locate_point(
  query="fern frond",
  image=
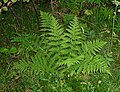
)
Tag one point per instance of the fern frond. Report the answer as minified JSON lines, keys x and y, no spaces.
{"x":53,"y":34}
{"x":73,"y":38}
{"x":91,"y":47}
{"x":38,"y":65}
{"x":86,"y":65}
{"x":21,"y":65}
{"x":96,"y":64}
{"x":45,"y":20}
{"x":74,"y":30}
{"x":50,"y":24}
{"x":27,"y":43}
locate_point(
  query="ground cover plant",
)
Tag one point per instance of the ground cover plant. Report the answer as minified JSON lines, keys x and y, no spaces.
{"x":74,"y":46}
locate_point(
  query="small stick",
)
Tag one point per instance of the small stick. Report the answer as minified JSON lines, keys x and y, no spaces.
{"x":37,"y":16}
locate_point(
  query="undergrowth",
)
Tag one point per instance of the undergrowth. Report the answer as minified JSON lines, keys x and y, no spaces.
{"x":59,"y":54}
{"x":80,"y":54}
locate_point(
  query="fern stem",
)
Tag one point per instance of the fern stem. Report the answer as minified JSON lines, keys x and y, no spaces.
{"x":37,"y":15}
{"x":113,"y":29}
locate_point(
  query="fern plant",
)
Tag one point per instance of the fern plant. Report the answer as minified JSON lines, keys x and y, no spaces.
{"x":62,"y":51}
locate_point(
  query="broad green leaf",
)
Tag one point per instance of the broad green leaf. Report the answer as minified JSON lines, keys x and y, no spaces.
{"x":26,"y":0}
{"x":14,"y":1}
{"x":5,"y":1}
{"x":0,"y":3}
{"x":88,"y":12}
{"x":5,"y":8}
{"x":3,"y":50}
{"x":13,"y":50}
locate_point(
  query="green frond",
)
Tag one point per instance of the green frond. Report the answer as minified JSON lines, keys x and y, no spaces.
{"x":27,"y":43}
{"x":50,"y":24}
{"x":91,"y":47}
{"x":73,"y":38}
{"x":86,"y":65}
{"x":38,"y":65}
{"x":96,"y":64}
{"x":74,"y":30}
{"x":74,"y":26}
{"x":21,"y":65}
{"x":53,"y":34}
{"x":41,"y":64}
{"x":45,"y":20}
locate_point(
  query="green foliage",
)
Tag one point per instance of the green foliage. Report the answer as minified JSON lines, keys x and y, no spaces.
{"x":75,"y":6}
{"x":5,"y":8}
{"x":67,"y":18}
{"x":14,"y":1}
{"x":8,"y":3}
{"x":37,"y":65}
{"x":58,"y":53}
{"x":91,"y":47}
{"x":28,"y":44}
{"x":26,"y":0}
{"x":71,"y":57}
{"x":65,"y":48}
{"x":12,"y":50}
{"x":5,"y":1}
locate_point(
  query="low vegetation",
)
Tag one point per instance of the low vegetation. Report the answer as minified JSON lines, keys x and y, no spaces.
{"x":59,"y":46}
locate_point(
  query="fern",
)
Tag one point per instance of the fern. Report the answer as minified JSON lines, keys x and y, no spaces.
{"x":64,"y":51}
